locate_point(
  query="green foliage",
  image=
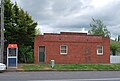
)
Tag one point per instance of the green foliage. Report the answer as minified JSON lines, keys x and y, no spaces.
{"x":19,"y":28}
{"x":37,"y":32}
{"x":114,"y":46}
{"x":98,"y":28}
{"x":118,"y":38}
{"x":26,"y":54}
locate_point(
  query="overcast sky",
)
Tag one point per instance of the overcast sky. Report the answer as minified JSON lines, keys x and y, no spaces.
{"x":72,"y":15}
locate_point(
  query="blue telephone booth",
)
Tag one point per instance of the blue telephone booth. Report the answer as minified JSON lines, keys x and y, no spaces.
{"x":12,"y":53}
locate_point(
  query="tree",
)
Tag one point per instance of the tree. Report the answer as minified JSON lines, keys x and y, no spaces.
{"x":19,"y":26}
{"x":118,"y":38}
{"x":22,"y":29}
{"x":26,"y":54}
{"x":37,"y":31}
{"x":98,"y":28}
{"x":114,"y":46}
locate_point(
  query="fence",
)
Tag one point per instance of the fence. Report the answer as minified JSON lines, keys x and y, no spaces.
{"x":114,"y":59}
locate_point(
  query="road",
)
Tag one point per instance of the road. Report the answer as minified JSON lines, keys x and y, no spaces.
{"x":61,"y":76}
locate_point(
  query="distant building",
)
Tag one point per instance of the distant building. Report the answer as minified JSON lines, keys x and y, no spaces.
{"x":71,"y":48}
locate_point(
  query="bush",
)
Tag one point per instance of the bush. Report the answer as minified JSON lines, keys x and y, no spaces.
{"x":30,"y":57}
{"x":26,"y":54}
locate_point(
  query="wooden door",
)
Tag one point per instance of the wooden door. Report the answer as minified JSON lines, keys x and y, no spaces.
{"x":41,"y":53}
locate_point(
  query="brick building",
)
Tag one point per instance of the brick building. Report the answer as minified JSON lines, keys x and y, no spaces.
{"x":71,"y":48}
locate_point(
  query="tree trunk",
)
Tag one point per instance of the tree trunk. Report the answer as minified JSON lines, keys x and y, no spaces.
{"x":114,"y":53}
{"x":25,"y":58}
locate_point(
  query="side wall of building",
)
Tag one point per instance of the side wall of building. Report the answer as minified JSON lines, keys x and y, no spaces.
{"x":82,"y":49}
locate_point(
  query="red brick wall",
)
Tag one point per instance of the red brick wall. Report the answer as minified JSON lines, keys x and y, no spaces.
{"x":81,"y":48}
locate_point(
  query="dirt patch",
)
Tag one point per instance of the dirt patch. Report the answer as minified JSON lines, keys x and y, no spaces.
{"x":47,"y":68}
{"x":19,"y":68}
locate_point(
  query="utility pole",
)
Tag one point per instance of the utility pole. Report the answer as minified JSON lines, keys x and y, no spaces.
{"x":2,"y":32}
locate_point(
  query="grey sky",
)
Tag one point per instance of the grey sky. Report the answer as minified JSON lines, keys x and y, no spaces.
{"x":72,"y":15}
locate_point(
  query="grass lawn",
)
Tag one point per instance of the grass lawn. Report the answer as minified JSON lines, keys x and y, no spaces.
{"x":71,"y":67}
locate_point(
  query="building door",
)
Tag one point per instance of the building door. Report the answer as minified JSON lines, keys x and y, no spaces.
{"x":41,"y":53}
{"x":87,"y":55}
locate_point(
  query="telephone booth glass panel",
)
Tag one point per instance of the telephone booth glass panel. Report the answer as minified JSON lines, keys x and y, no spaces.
{"x":12,"y":52}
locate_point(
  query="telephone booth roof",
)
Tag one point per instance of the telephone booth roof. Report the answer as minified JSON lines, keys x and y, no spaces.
{"x":12,"y":46}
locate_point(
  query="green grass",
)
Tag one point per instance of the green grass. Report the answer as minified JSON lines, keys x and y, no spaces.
{"x":35,"y":66}
{"x":71,"y":67}
{"x":88,"y":67}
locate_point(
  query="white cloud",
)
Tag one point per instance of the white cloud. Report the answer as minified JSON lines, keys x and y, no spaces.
{"x":72,"y":15}
{"x":100,"y":3}
{"x":18,"y":1}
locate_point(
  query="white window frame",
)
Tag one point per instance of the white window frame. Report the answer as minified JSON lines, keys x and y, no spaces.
{"x":99,"y":49}
{"x":65,"y":49}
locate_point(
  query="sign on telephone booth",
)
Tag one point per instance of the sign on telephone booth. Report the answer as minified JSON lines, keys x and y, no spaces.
{"x":12,"y":53}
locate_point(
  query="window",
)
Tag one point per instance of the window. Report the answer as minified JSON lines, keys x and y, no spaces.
{"x":63,"y":49}
{"x":99,"y":50}
{"x":12,"y":52}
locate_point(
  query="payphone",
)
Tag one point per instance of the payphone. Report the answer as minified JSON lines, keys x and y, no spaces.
{"x":12,"y":54}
